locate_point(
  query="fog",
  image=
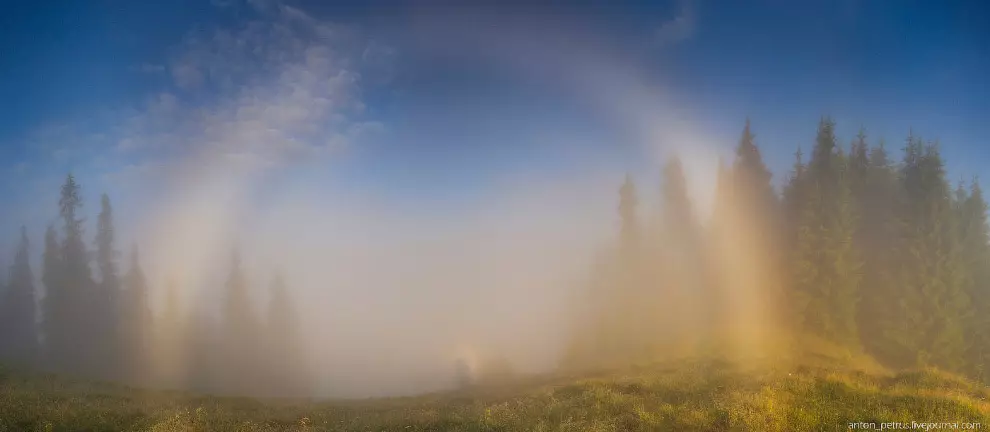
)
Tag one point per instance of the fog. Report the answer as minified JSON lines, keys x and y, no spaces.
{"x":390,"y":294}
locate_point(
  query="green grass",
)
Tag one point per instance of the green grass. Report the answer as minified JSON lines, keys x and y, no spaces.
{"x":820,"y":392}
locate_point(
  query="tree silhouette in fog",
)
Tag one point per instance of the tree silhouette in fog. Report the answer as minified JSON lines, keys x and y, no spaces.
{"x":18,"y":336}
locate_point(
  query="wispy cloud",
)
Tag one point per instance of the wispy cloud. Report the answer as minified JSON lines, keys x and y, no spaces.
{"x":282,"y":86}
{"x":679,"y":28}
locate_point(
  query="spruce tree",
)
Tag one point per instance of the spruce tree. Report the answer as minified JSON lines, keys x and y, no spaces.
{"x":18,"y":333}
{"x":946,"y":292}
{"x":826,"y":267}
{"x":859,"y":167}
{"x":927,"y":326}
{"x":751,"y":176}
{"x":756,"y":245}
{"x":78,"y":342}
{"x":106,"y":295}
{"x":794,"y":206}
{"x":876,"y":239}
{"x":975,"y":260}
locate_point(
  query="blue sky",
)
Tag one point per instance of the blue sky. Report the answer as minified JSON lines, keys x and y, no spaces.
{"x":408,"y":103}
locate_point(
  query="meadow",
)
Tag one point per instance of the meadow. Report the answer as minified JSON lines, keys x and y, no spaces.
{"x":820,"y":390}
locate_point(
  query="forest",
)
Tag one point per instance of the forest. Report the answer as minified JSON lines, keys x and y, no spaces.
{"x":873,"y":251}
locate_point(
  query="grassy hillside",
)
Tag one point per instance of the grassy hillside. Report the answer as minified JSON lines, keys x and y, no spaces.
{"x":822,"y":392}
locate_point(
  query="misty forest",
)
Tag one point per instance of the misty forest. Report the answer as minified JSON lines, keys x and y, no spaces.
{"x":868,"y":246}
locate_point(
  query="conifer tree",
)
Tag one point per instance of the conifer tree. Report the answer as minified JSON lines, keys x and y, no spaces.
{"x":106,"y":294}
{"x":975,"y":254}
{"x":18,"y":334}
{"x":859,"y":167}
{"x":756,"y":204}
{"x":926,"y":327}
{"x":794,"y":206}
{"x":826,"y":264}
{"x":751,"y":176}
{"x":946,"y":291}
{"x":755,"y":244}
{"x":876,"y":235}
{"x":77,"y":341}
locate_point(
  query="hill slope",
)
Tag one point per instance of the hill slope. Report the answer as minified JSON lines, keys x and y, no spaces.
{"x":823,"y":394}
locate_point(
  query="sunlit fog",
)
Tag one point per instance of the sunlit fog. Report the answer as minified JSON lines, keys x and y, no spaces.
{"x":300,"y":202}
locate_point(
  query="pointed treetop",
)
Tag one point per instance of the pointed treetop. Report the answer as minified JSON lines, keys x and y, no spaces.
{"x":961,"y":193}
{"x":859,"y":146}
{"x":22,"y":258}
{"x":746,"y":145}
{"x":69,"y":200}
{"x":627,"y":207}
{"x":878,"y":156}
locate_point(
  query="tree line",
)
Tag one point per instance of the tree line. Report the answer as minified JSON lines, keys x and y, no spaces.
{"x":97,"y":322}
{"x":878,"y":256}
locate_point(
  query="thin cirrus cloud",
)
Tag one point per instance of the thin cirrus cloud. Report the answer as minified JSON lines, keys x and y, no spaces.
{"x":285,"y":86}
{"x":280,"y":87}
{"x":680,"y":28}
